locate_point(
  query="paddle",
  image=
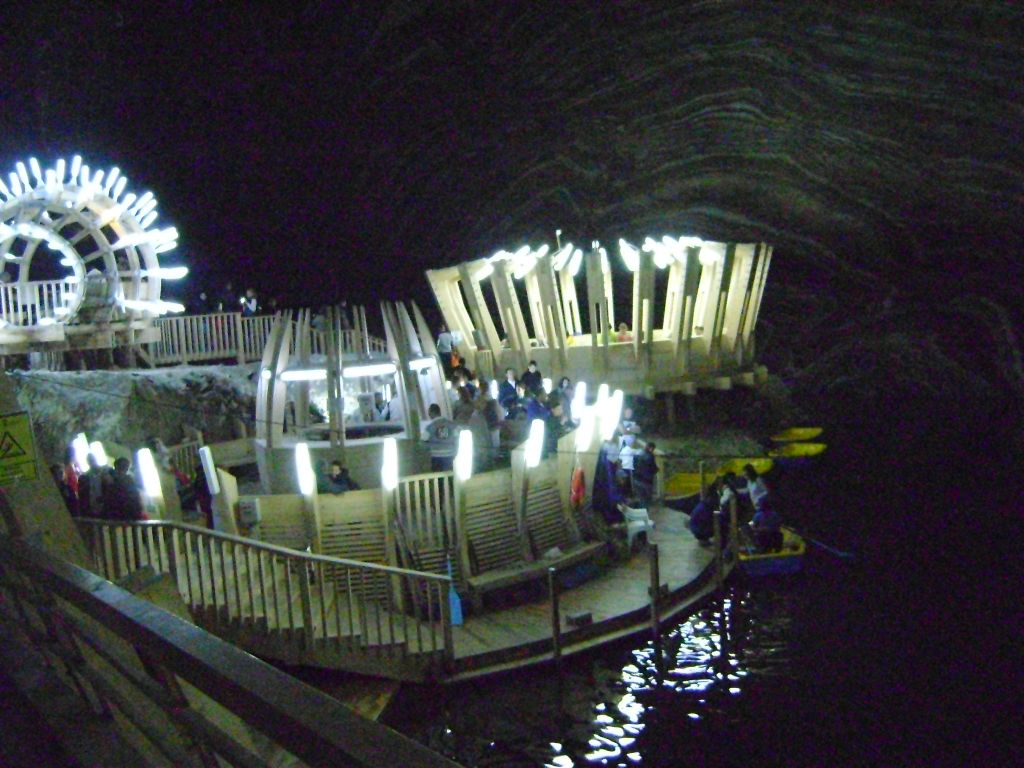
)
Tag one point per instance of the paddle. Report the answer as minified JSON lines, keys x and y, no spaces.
{"x":848,"y":556}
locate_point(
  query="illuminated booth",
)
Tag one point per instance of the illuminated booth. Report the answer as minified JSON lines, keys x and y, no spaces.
{"x":697,"y":331}
{"x":318,"y":381}
{"x":81,"y":260}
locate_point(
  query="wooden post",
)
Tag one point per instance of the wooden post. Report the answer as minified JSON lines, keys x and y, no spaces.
{"x":239,"y":338}
{"x":734,"y":529}
{"x":719,"y":564}
{"x":655,"y":590}
{"x":446,"y":626}
{"x":306,"y":595}
{"x":556,"y":620}
{"x":703,"y":481}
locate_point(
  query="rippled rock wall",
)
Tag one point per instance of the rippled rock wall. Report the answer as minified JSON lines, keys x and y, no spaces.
{"x":877,"y":146}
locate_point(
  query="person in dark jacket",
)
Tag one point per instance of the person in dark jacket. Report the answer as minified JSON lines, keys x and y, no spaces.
{"x":92,"y":486}
{"x":645,"y":469}
{"x":507,"y":390}
{"x":338,"y":479}
{"x":532,"y":379}
{"x":121,"y":499}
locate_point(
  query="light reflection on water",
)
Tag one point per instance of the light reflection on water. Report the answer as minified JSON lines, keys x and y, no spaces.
{"x":611,"y":700}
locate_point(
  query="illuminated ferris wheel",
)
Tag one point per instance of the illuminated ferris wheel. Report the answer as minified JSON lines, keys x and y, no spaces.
{"x":77,"y":248}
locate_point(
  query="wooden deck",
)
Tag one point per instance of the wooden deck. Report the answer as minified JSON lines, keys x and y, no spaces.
{"x":617,"y":599}
{"x":314,"y":611}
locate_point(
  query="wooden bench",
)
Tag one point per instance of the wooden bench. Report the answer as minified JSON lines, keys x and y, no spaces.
{"x":498,"y":555}
{"x":524,"y":572}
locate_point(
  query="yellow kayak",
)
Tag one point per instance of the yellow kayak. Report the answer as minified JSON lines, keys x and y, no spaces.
{"x":796,"y":451}
{"x":683,"y":484}
{"x":796,"y":435}
{"x":761,"y":465}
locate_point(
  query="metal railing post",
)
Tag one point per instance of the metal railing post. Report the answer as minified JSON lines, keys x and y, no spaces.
{"x":655,"y":590}
{"x":719,"y":560}
{"x":556,"y":620}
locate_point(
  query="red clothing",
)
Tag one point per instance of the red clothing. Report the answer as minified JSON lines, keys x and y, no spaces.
{"x":71,"y":478}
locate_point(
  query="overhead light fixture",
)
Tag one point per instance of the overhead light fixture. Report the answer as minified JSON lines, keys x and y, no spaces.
{"x":370,"y":369}
{"x":302,"y":374}
{"x":630,"y":255}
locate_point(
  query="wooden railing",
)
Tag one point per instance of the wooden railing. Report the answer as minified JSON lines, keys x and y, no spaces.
{"x":185,"y":456}
{"x":426,"y":521}
{"x":319,"y":602}
{"x":160,"y":673}
{"x":229,"y":335}
{"x":25,"y":304}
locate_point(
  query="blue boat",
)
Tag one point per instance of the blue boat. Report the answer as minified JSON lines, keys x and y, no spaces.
{"x":787,"y":559}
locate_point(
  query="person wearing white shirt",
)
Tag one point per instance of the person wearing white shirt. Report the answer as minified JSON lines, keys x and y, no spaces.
{"x":756,"y":487}
{"x":445,"y":343}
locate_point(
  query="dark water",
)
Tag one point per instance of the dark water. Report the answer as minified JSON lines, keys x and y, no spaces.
{"x":886,"y":660}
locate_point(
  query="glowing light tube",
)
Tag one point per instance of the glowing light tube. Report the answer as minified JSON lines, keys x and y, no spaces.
{"x":389,"y":465}
{"x":80,"y":451}
{"x":372,"y":369}
{"x":209,"y":469}
{"x":534,"y":443}
{"x":463,"y":464}
{"x":585,"y":431}
{"x":611,"y":414}
{"x":303,"y":374}
{"x":150,"y":477}
{"x":546,"y":383}
{"x":304,"y":470}
{"x":579,"y":401}
{"x":96,"y":449}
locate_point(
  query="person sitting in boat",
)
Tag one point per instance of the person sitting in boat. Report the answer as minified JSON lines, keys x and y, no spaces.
{"x":756,"y":488}
{"x":767,"y":526}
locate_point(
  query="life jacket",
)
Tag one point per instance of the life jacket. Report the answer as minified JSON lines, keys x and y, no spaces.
{"x":578,"y":487}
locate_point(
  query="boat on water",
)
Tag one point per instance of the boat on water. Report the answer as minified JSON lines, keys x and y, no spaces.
{"x":796,"y":454}
{"x":787,"y":559}
{"x":796,"y":435}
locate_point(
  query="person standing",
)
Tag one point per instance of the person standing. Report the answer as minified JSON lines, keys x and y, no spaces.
{"x":445,"y":346}
{"x":122,"y":499}
{"x":507,"y":395}
{"x":532,"y":379}
{"x":441,"y":435}
{"x":250,"y":304}
{"x":91,"y":488}
{"x":645,"y":470}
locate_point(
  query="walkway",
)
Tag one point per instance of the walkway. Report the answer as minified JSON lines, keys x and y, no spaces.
{"x":617,"y":600}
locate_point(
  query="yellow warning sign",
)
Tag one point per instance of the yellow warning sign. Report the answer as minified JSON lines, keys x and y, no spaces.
{"x":17,"y":450}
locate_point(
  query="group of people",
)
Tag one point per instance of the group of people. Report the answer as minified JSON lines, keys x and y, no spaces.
{"x":114,"y":492}
{"x":633,"y":461}
{"x":496,"y":420}
{"x":229,"y":300}
{"x":753,"y":502}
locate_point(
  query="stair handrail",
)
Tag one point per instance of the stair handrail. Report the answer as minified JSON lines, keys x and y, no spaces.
{"x":266,"y":547}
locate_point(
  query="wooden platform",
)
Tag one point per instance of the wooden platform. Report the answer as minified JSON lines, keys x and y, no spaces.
{"x":618,"y":600}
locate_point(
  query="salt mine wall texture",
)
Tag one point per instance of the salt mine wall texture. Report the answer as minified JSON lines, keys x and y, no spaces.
{"x":874,"y":145}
